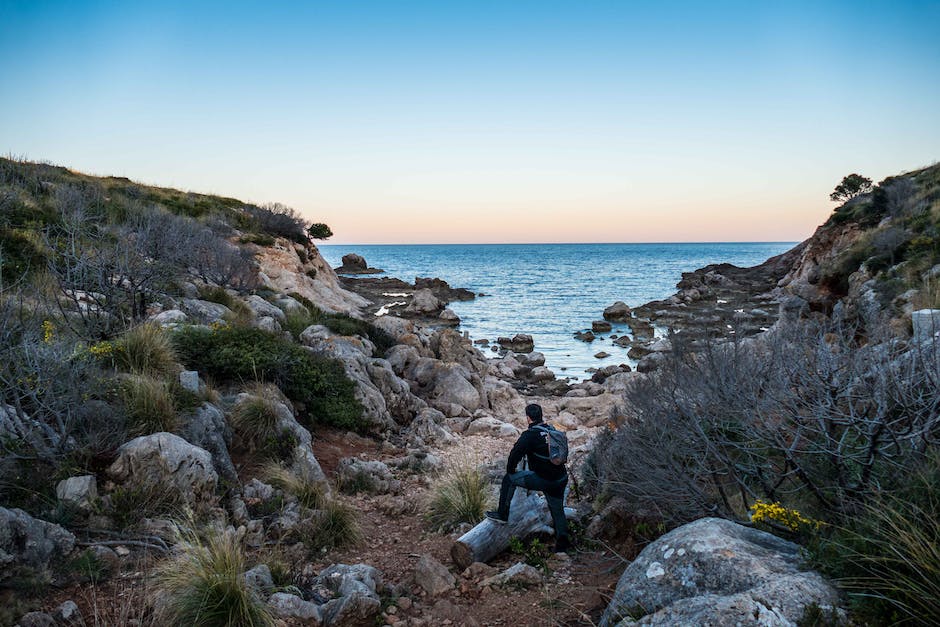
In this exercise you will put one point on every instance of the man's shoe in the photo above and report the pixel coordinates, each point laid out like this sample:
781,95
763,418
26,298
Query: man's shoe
496,518
563,545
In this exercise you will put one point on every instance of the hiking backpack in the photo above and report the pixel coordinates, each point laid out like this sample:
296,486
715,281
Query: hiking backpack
557,442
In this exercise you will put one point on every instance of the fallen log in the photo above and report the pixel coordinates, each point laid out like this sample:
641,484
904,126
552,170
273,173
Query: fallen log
528,514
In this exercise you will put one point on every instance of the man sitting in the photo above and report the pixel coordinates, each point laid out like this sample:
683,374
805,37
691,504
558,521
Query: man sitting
544,476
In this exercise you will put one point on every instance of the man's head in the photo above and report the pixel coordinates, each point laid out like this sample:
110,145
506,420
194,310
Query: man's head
534,413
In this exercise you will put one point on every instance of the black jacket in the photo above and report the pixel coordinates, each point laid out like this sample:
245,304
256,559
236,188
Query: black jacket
531,444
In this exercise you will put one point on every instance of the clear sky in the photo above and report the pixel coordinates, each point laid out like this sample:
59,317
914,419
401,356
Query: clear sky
508,121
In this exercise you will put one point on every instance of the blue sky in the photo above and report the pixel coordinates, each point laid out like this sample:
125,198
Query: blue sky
484,121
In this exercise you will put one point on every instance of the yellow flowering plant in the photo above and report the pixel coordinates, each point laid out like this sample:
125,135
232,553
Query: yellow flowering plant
776,514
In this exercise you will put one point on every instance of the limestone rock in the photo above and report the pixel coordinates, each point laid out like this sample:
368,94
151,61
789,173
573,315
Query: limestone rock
304,464
372,476
169,318
263,309
68,614
356,600
284,270
206,428
78,492
618,312
717,572
584,336
485,425
204,311
600,326
29,542
519,343
540,374
519,574
449,317
259,579
424,303
433,576
286,605
166,462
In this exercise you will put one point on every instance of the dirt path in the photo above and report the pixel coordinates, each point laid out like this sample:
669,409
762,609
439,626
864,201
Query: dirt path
574,591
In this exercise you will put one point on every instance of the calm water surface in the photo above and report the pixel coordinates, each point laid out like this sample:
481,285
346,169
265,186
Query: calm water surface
552,290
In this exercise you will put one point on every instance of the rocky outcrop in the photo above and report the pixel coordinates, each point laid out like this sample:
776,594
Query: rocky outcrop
387,400
287,267
449,387
29,545
167,462
716,572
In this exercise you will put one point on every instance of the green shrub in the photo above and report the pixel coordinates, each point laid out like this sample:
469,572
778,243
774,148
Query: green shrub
534,552
18,255
338,323
460,496
308,493
317,383
203,585
148,406
146,350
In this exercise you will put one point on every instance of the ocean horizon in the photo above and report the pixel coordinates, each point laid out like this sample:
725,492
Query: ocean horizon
551,291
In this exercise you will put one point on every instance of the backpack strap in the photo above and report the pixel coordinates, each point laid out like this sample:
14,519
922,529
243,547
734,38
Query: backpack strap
544,428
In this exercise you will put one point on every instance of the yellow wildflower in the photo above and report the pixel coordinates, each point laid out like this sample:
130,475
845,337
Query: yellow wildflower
793,520
48,331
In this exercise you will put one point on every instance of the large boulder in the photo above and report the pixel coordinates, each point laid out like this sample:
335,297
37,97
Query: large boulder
29,543
166,462
716,572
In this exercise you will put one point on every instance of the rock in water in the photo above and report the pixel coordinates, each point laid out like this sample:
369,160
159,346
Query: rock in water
352,261
716,572
618,312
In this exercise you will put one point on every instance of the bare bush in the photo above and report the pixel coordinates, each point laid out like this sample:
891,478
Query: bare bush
279,220
806,415
44,389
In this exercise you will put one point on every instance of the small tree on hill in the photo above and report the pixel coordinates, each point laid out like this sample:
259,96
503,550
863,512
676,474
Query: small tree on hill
319,230
850,187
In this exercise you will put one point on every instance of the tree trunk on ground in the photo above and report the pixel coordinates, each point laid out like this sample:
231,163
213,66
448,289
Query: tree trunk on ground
528,514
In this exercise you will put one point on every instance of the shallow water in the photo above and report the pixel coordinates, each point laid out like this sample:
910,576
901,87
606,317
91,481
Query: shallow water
552,290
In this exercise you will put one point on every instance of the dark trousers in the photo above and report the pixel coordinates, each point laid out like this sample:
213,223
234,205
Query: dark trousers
554,492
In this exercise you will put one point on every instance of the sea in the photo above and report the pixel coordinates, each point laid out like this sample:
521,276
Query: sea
551,291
